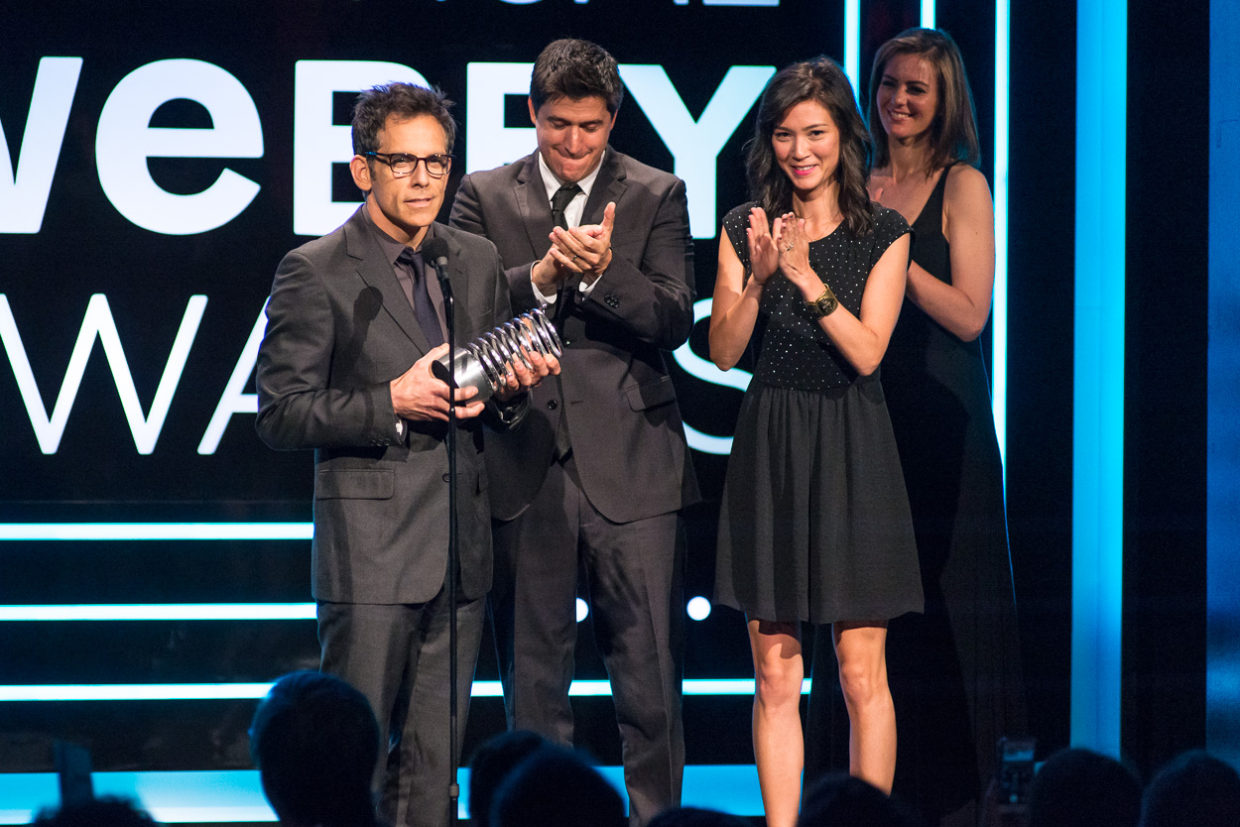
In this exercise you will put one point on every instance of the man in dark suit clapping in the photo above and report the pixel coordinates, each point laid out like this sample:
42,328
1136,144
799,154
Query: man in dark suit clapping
596,474
354,322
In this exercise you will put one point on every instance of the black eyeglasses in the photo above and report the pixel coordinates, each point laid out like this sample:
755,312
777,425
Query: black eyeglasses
403,164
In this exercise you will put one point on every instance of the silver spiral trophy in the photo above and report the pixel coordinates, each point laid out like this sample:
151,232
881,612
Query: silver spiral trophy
482,363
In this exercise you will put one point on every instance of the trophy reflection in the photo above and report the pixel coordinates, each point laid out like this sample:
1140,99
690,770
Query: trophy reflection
481,363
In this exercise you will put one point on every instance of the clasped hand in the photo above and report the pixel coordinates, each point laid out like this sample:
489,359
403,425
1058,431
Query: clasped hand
419,394
783,246
583,251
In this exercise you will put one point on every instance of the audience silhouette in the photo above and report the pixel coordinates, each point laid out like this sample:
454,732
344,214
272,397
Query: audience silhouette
1082,788
839,800
1193,790
315,742
556,786
106,811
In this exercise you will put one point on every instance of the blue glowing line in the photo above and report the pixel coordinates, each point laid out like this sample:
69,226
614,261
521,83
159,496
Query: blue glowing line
134,692
159,611
232,796
1098,382
999,308
72,532
1222,424
15,693
927,14
698,610
852,44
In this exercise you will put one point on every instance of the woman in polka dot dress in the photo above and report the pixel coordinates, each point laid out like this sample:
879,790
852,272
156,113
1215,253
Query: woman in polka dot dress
814,525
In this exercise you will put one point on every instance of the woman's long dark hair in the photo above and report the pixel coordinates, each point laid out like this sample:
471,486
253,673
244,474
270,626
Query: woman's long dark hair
953,132
820,80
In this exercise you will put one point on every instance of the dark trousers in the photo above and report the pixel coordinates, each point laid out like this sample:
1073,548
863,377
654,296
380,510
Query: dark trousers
632,578
398,656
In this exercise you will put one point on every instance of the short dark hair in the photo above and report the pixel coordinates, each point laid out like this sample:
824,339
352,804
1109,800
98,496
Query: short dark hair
404,100
838,798
571,68
1193,790
953,131
556,786
820,80
1081,788
491,764
315,741
110,810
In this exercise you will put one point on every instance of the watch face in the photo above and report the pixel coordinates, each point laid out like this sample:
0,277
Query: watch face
825,304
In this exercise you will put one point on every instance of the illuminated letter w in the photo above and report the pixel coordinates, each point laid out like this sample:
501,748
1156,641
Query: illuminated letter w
98,322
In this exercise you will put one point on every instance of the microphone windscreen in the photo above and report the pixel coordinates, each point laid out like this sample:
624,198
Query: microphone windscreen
436,250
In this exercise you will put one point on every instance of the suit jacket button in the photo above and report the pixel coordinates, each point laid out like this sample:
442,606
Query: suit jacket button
447,478
552,404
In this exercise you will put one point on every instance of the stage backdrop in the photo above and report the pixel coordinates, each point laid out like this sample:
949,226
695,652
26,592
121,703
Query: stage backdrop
158,160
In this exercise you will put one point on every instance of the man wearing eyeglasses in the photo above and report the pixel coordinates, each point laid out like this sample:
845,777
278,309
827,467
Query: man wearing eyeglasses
354,322
593,480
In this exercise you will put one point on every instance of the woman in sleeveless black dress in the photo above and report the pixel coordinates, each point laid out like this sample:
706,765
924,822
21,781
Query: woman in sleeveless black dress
956,668
814,525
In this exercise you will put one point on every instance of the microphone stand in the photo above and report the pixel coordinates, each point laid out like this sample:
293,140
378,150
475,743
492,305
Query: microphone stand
439,262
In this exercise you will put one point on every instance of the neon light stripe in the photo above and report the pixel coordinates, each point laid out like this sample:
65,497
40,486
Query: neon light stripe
232,796
159,611
1098,382
244,691
1223,389
70,532
698,610
852,44
927,14
999,308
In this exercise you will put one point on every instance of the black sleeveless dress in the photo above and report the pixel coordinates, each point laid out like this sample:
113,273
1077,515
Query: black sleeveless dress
955,671
814,524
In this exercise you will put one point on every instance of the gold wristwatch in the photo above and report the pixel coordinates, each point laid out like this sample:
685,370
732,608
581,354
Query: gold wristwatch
824,305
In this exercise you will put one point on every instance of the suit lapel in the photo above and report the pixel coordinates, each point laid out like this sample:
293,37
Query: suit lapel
533,204
374,269
461,283
608,186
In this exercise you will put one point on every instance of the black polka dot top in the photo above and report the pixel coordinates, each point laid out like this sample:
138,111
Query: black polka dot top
795,352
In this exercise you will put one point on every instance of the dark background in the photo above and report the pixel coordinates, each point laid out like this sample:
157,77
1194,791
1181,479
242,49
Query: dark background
86,246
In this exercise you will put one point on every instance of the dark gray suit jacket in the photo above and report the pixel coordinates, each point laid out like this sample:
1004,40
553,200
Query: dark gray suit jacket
623,419
339,329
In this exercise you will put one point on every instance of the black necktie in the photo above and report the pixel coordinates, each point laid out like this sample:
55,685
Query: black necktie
419,297
559,202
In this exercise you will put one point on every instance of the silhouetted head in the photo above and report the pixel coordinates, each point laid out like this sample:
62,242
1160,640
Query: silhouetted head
555,786
696,817
1082,788
492,763
315,742
106,811
1193,790
839,799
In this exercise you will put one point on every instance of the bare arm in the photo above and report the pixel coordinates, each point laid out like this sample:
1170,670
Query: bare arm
963,306
734,308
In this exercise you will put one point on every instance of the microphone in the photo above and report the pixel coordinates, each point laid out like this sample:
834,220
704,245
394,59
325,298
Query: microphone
435,251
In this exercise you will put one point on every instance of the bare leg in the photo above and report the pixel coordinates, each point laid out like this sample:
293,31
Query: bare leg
861,651
778,743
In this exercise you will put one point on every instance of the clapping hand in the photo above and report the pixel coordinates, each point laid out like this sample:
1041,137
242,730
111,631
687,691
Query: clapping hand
586,249
763,254
792,245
